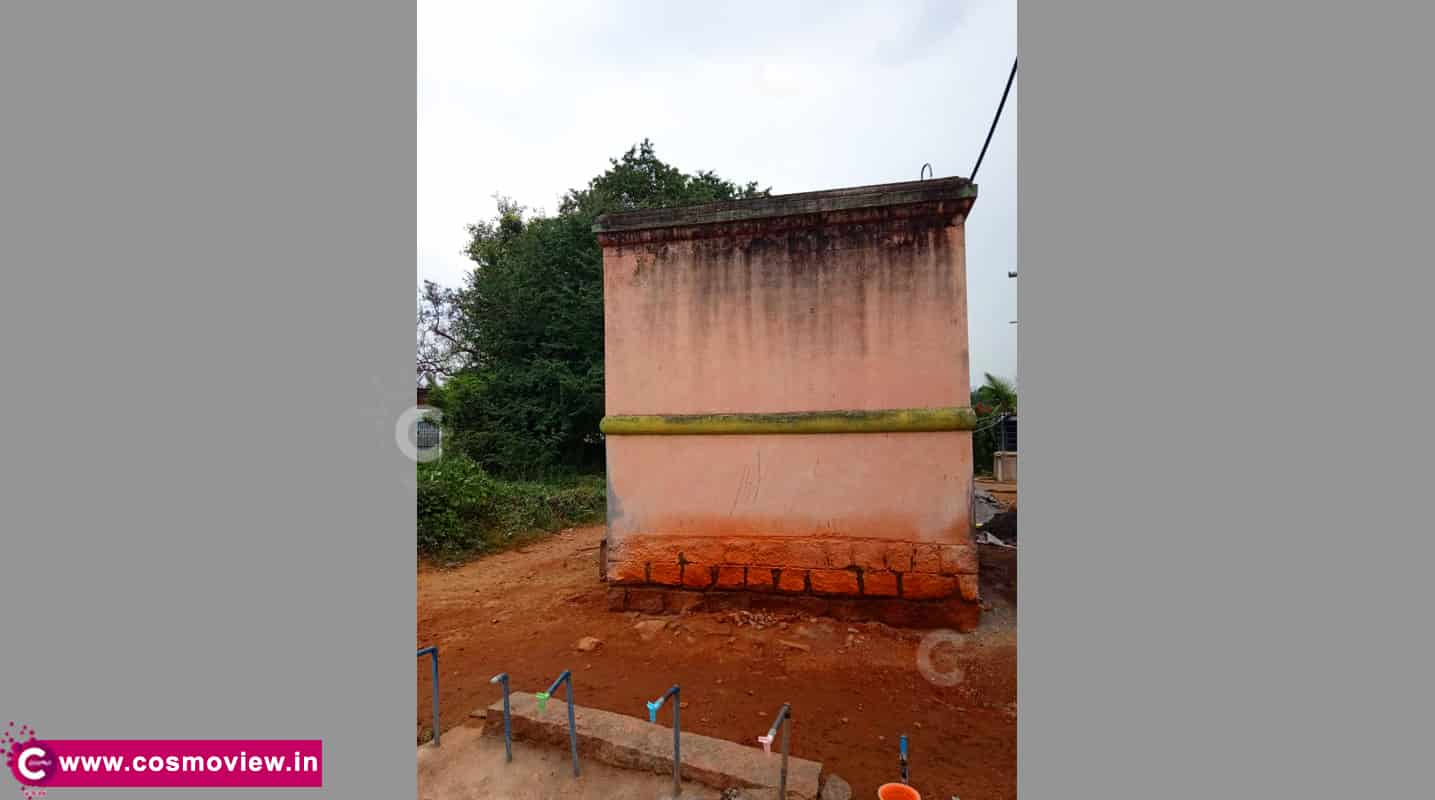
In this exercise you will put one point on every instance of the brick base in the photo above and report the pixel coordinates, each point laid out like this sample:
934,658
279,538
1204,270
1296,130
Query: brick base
915,584
952,612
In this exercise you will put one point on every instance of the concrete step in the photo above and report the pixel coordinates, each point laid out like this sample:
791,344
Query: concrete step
634,743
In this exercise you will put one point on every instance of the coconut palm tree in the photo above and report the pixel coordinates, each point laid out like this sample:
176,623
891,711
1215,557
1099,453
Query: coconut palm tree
997,395
991,401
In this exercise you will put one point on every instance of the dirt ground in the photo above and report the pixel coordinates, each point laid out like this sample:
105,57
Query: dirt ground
1003,491
854,687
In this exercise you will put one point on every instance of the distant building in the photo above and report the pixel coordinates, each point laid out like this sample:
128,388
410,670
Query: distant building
1004,461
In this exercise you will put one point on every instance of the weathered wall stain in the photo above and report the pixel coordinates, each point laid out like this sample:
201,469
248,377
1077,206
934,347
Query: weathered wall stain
814,307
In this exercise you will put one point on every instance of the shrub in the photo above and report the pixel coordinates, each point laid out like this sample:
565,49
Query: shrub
463,511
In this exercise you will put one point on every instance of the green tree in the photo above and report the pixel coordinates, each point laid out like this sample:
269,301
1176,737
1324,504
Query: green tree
530,396
440,354
997,393
991,400
640,180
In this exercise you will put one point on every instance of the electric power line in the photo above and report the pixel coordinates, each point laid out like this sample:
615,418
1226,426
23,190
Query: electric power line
998,116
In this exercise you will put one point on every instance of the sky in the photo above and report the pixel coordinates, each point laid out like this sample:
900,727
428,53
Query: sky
531,99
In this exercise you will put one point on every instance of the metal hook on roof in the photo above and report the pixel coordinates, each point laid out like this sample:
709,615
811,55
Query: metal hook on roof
926,170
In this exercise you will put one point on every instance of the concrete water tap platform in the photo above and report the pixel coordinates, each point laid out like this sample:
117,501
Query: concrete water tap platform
471,766
633,743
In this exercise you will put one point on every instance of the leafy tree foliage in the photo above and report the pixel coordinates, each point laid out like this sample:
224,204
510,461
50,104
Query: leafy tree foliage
992,400
440,353
997,395
528,325
640,180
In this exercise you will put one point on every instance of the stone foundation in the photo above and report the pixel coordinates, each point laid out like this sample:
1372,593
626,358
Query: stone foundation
953,612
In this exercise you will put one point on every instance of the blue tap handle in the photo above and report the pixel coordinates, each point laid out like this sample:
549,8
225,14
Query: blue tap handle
653,710
902,743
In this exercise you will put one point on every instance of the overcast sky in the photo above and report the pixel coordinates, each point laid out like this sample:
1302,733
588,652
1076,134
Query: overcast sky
530,99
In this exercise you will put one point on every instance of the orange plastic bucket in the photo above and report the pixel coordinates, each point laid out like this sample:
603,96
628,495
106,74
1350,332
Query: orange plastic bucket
897,791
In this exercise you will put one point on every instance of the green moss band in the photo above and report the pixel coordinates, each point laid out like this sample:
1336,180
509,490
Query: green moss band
897,420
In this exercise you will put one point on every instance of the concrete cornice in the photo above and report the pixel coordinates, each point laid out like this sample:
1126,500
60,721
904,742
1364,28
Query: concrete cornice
937,196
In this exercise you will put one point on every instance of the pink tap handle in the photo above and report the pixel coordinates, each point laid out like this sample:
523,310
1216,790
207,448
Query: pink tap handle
766,744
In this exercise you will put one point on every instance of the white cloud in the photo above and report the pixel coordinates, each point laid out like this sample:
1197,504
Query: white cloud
532,99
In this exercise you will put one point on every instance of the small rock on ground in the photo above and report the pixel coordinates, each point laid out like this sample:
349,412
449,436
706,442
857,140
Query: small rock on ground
649,629
985,506
835,789
1003,526
588,644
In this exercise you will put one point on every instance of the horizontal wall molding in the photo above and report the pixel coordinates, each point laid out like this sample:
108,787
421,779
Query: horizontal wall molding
896,420
935,190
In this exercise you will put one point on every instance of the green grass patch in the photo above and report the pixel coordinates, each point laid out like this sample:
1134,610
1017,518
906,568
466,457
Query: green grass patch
464,512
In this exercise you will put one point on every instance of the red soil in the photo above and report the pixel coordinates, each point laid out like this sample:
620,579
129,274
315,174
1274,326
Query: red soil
854,687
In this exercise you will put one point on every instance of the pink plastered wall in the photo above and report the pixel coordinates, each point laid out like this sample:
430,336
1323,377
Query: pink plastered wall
826,317
793,322
901,486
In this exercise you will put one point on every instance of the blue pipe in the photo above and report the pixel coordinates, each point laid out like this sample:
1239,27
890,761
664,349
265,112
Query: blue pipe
653,707
572,728
784,718
433,651
502,678
902,748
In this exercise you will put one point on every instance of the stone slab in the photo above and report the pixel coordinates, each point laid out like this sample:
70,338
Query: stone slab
633,743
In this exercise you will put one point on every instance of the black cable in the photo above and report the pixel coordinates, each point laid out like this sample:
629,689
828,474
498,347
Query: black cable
998,116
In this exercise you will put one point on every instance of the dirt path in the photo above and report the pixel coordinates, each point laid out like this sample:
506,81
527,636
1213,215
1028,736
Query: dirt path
523,612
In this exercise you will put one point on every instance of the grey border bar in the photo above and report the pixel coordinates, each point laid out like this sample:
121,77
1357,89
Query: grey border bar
206,326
